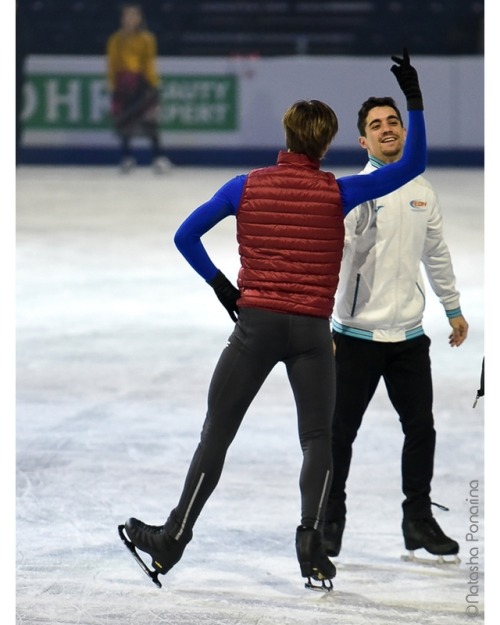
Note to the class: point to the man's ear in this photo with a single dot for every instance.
(362, 142)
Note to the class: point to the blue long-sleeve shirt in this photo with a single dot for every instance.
(354, 190)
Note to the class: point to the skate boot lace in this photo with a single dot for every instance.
(440, 506)
(149, 529)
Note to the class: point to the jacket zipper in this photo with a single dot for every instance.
(353, 309)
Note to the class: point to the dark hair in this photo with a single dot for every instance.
(371, 103)
(310, 127)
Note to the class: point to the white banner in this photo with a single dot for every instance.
(239, 102)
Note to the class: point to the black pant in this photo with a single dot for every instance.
(259, 341)
(406, 370)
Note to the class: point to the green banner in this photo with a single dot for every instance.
(82, 102)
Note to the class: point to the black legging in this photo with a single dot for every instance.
(259, 341)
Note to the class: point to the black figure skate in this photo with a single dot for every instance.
(164, 550)
(332, 537)
(313, 561)
(426, 534)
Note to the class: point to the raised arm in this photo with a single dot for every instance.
(358, 189)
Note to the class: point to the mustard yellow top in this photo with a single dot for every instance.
(132, 52)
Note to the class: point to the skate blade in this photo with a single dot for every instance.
(324, 586)
(437, 561)
(153, 575)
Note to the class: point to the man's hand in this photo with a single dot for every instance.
(407, 77)
(226, 293)
(460, 328)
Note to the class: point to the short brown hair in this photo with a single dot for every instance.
(310, 127)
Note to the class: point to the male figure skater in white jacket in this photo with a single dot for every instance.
(377, 328)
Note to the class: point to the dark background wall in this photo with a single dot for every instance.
(205, 29)
(263, 27)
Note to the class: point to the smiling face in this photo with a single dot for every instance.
(384, 134)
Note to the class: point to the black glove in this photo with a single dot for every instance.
(407, 77)
(226, 292)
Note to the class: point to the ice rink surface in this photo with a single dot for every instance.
(117, 338)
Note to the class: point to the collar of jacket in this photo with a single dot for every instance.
(376, 162)
(294, 158)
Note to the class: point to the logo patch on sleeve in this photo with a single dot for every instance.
(418, 205)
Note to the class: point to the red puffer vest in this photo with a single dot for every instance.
(290, 229)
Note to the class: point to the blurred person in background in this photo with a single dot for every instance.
(134, 85)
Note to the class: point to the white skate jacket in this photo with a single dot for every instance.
(381, 293)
